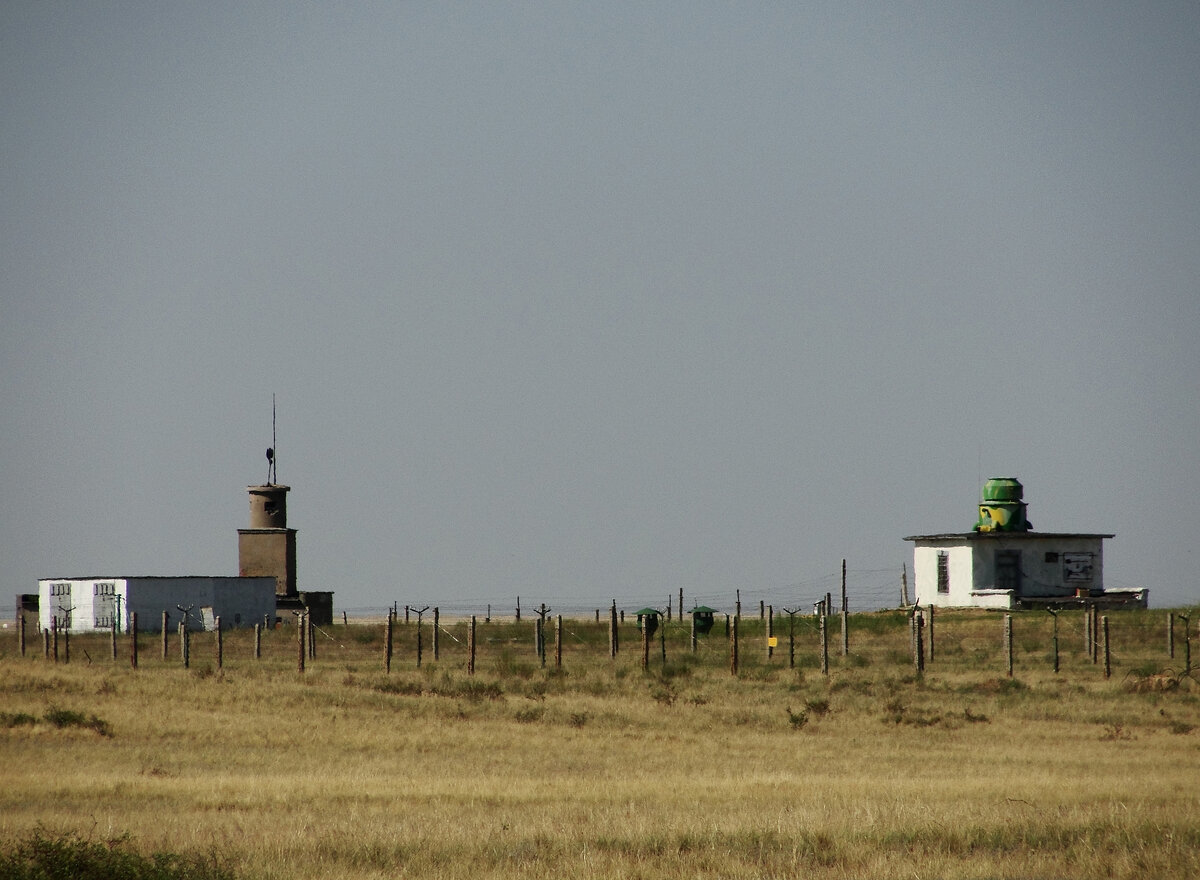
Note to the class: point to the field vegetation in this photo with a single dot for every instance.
(600, 768)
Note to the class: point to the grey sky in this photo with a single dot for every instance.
(595, 300)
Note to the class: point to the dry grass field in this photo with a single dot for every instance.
(601, 768)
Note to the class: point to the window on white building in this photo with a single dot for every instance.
(943, 572)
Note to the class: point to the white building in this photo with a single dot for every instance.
(1003, 563)
(91, 604)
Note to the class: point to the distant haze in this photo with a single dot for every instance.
(587, 301)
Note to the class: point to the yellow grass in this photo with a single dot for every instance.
(605, 770)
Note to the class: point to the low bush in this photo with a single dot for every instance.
(43, 856)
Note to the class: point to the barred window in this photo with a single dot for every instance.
(943, 572)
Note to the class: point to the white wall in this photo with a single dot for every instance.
(93, 601)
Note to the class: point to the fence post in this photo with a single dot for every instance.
(1104, 638)
(436, 621)
(471, 647)
(558, 642)
(310, 635)
(845, 615)
(1171, 634)
(257, 641)
(133, 645)
(1087, 630)
(824, 643)
(220, 643)
(46, 644)
(733, 646)
(387, 642)
(21, 630)
(645, 643)
(1054, 639)
(929, 625)
(113, 637)
(918, 624)
(185, 641)
(1095, 635)
(694, 634)
(165, 635)
(1187, 644)
(612, 631)
(770, 630)
(1008, 645)
(301, 648)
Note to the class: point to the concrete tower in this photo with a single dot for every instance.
(268, 547)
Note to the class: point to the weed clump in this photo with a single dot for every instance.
(62, 718)
(44, 856)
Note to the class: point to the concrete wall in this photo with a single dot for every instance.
(93, 601)
(1050, 565)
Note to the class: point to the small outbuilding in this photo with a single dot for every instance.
(1003, 563)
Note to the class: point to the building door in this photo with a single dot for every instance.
(1008, 570)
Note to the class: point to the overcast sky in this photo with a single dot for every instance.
(583, 301)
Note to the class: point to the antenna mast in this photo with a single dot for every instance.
(272, 471)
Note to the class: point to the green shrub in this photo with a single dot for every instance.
(45, 857)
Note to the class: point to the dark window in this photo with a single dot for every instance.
(943, 572)
(1051, 556)
(1008, 570)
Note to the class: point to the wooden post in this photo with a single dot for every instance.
(518, 609)
(1104, 639)
(165, 636)
(406, 615)
(737, 610)
(904, 585)
(1187, 644)
(46, 644)
(471, 647)
(54, 641)
(791, 639)
(113, 638)
(558, 642)
(662, 642)
(919, 643)
(824, 627)
(1095, 635)
(770, 630)
(257, 641)
(419, 640)
(488, 617)
(1087, 630)
(133, 640)
(929, 625)
(597, 615)
(1054, 639)
(1171, 634)
(762, 609)
(694, 645)
(185, 642)
(220, 643)
(301, 648)
(387, 642)
(1008, 645)
(539, 639)
(668, 607)
(345, 622)
(21, 629)
(436, 622)
(645, 642)
(612, 631)
(733, 647)
(845, 632)
(67, 642)
(681, 603)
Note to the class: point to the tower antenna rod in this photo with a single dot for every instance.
(272, 470)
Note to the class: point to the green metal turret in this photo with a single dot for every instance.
(1002, 509)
